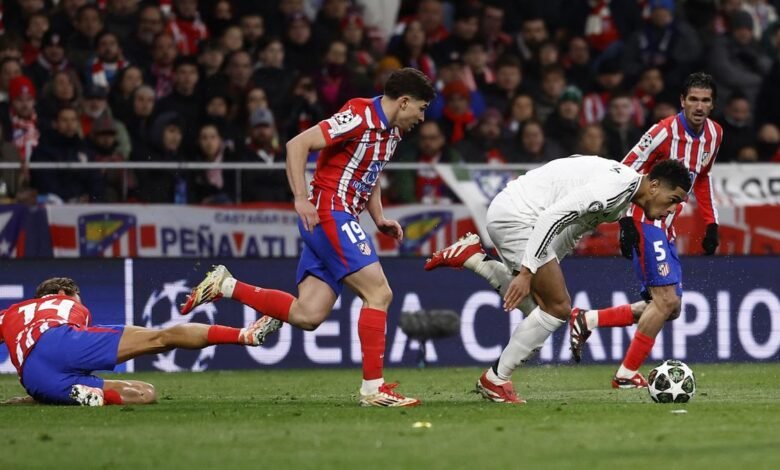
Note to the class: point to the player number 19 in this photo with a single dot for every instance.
(353, 231)
(658, 247)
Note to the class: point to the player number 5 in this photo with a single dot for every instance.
(353, 231)
(660, 254)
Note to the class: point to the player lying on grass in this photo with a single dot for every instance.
(533, 223)
(55, 349)
(693, 139)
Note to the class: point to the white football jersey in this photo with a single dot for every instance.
(577, 192)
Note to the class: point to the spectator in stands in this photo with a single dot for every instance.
(763, 15)
(329, 18)
(81, 44)
(384, 68)
(211, 59)
(64, 89)
(263, 146)
(253, 29)
(609, 79)
(533, 33)
(232, 39)
(139, 122)
(10, 180)
(508, 84)
(50, 59)
(305, 108)
(768, 143)
(458, 118)
(667, 103)
(121, 17)
(160, 73)
(552, 86)
(220, 18)
(738, 130)
(650, 85)
(101, 146)
(619, 128)
(477, 74)
(486, 143)
(576, 61)
(138, 48)
(592, 141)
(534, 147)
(361, 52)
(108, 60)
(215, 186)
(185, 98)
(522, 109)
(120, 98)
(237, 73)
(272, 75)
(563, 126)
(217, 110)
(412, 50)
(65, 15)
(19, 120)
(93, 107)
(464, 31)
(491, 30)
(334, 81)
(737, 60)
(663, 41)
(37, 25)
(300, 45)
(64, 144)
(186, 27)
(430, 14)
(10, 68)
(766, 109)
(164, 145)
(423, 185)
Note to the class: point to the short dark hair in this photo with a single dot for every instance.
(700, 80)
(55, 285)
(673, 173)
(411, 82)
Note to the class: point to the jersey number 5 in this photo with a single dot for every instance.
(660, 253)
(62, 306)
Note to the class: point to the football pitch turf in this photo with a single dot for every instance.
(310, 419)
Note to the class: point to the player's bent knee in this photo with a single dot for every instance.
(669, 303)
(561, 309)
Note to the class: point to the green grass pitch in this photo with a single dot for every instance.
(310, 419)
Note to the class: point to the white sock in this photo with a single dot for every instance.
(624, 373)
(491, 376)
(498, 275)
(526, 340)
(369, 387)
(592, 319)
(227, 287)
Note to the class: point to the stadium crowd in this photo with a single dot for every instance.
(232, 81)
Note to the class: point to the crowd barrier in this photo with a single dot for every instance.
(731, 311)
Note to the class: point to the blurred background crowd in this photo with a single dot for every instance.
(231, 81)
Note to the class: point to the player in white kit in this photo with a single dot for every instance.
(533, 223)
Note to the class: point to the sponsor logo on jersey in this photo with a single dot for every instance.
(364, 248)
(663, 269)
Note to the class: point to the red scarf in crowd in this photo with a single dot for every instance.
(187, 33)
(460, 122)
(99, 76)
(25, 134)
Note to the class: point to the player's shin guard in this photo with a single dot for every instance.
(371, 331)
(638, 351)
(615, 316)
(274, 303)
(527, 338)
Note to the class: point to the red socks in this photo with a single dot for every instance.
(616, 316)
(219, 334)
(274, 303)
(638, 351)
(371, 330)
(112, 397)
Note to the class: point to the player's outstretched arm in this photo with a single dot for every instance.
(298, 149)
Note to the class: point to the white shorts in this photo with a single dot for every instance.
(510, 228)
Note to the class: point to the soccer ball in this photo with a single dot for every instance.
(671, 382)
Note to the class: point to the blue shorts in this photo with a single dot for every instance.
(65, 356)
(657, 264)
(336, 247)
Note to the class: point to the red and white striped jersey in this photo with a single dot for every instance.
(360, 142)
(22, 324)
(673, 138)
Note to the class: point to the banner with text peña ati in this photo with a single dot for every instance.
(731, 311)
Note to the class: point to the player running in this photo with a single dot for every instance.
(55, 349)
(533, 223)
(356, 143)
(693, 139)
